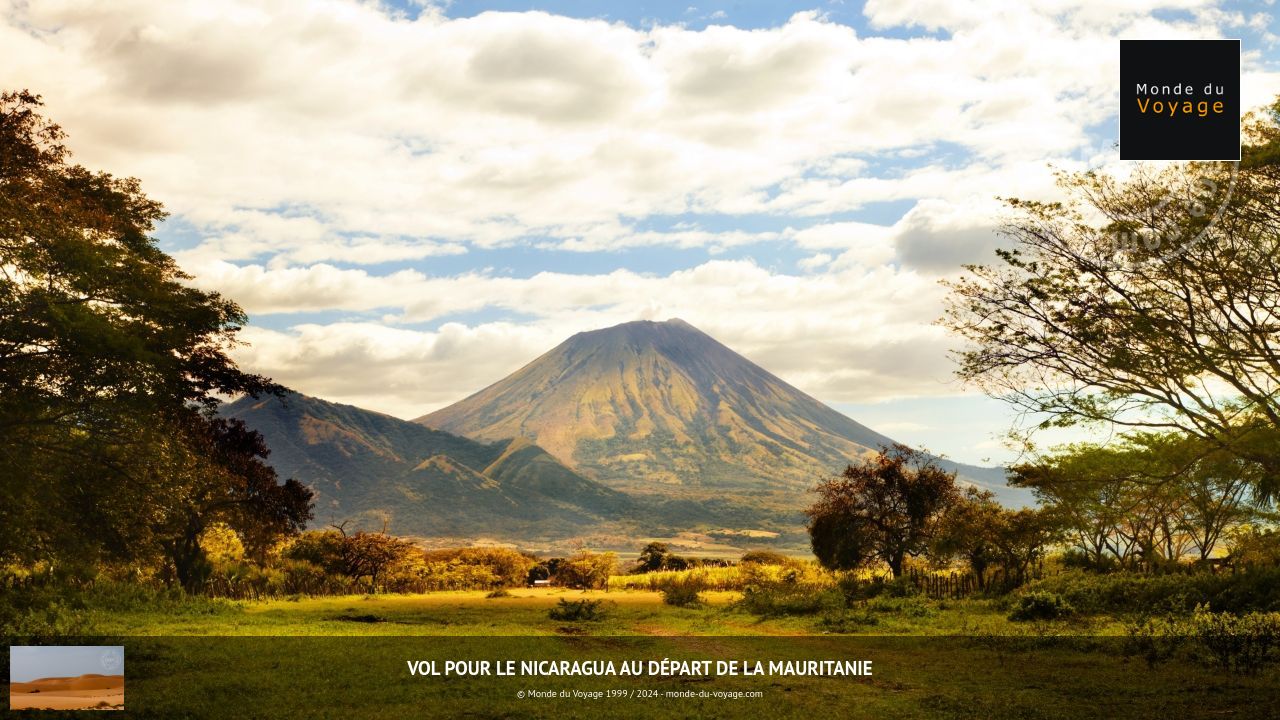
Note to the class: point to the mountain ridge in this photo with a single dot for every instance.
(376, 469)
(663, 408)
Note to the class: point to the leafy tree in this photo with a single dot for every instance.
(1160, 315)
(587, 570)
(653, 557)
(111, 366)
(1145, 499)
(883, 510)
(370, 554)
(967, 530)
(216, 475)
(986, 535)
(1020, 539)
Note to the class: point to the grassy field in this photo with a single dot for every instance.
(345, 657)
(525, 612)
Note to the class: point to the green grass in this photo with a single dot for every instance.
(344, 657)
(629, 612)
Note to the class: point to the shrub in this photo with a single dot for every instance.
(772, 600)
(577, 611)
(1155, 639)
(1238, 643)
(683, 591)
(899, 587)
(499, 593)
(766, 557)
(1256, 589)
(1038, 605)
(844, 621)
(914, 606)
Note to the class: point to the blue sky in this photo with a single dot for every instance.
(413, 200)
(32, 662)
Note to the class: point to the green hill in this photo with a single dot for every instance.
(372, 468)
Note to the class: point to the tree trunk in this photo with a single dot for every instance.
(895, 564)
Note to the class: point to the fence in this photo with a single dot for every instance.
(956, 585)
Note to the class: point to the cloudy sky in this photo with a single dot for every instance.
(413, 199)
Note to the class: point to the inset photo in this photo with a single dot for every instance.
(66, 677)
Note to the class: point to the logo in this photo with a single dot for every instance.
(1180, 100)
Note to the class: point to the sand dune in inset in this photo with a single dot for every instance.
(68, 693)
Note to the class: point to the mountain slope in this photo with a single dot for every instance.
(663, 408)
(369, 467)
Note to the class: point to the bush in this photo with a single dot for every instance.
(766, 557)
(915, 606)
(844, 621)
(1155, 639)
(683, 591)
(499, 593)
(1040, 606)
(1238, 643)
(899, 587)
(1256, 589)
(577, 611)
(773, 600)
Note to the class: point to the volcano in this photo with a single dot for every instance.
(662, 408)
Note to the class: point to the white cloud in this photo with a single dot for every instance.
(301, 139)
(856, 335)
(501, 127)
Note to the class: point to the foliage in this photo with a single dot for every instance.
(383, 562)
(1242, 644)
(1255, 546)
(578, 611)
(774, 590)
(684, 591)
(1147, 302)
(1143, 501)
(111, 366)
(885, 510)
(1039, 605)
(221, 544)
(655, 556)
(984, 534)
(1155, 638)
(1238, 643)
(587, 570)
(1255, 589)
(715, 578)
(766, 557)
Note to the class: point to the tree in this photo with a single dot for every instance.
(1147, 498)
(653, 557)
(111, 368)
(987, 535)
(587, 570)
(217, 475)
(1162, 315)
(1218, 490)
(1020, 537)
(968, 529)
(883, 510)
(370, 554)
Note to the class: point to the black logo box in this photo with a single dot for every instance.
(1186, 68)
